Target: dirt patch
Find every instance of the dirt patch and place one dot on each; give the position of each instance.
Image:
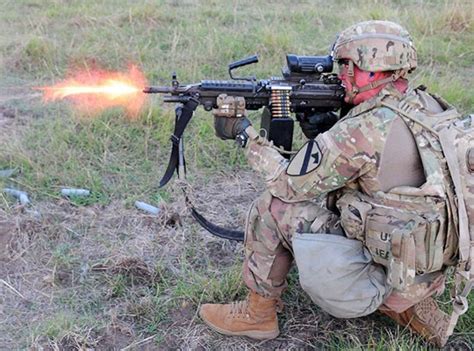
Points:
(222, 253)
(7, 232)
(135, 269)
(7, 119)
(112, 337)
(115, 337)
(6, 113)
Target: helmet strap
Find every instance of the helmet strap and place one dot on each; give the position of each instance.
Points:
(357, 90)
(354, 88)
(372, 85)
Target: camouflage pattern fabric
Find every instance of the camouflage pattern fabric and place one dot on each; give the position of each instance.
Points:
(350, 151)
(270, 226)
(376, 46)
(399, 301)
(351, 154)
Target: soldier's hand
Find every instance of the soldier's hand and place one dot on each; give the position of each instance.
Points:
(229, 116)
(317, 123)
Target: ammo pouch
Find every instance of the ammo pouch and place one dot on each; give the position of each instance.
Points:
(339, 275)
(405, 234)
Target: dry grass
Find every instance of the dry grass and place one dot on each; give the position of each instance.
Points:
(98, 274)
(108, 277)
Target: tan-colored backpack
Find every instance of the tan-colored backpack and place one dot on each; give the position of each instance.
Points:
(451, 135)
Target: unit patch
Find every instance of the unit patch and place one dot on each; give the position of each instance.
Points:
(306, 160)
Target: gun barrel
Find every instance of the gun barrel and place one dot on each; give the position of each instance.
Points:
(158, 90)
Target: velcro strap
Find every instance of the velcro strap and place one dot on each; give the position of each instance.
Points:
(397, 238)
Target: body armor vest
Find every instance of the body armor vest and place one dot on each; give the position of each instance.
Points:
(416, 231)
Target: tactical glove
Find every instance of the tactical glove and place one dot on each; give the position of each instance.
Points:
(317, 123)
(229, 117)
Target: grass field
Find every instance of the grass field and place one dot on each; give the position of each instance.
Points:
(96, 273)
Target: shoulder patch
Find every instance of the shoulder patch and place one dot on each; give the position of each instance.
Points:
(306, 160)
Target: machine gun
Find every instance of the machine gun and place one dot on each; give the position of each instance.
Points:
(306, 87)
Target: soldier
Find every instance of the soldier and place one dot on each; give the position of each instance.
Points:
(350, 205)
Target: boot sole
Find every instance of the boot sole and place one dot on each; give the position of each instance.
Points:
(257, 335)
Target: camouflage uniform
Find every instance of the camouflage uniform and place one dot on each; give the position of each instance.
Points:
(385, 172)
(351, 158)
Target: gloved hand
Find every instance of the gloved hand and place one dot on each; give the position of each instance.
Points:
(317, 123)
(229, 116)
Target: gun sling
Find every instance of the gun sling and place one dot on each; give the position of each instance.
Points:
(184, 113)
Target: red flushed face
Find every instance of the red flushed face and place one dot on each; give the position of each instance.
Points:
(361, 78)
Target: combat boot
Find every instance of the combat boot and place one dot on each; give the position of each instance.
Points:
(255, 317)
(426, 319)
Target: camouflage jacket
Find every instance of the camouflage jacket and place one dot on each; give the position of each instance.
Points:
(350, 155)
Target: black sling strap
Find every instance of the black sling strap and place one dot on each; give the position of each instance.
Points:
(216, 230)
(184, 113)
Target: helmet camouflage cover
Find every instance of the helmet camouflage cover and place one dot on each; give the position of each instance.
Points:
(376, 46)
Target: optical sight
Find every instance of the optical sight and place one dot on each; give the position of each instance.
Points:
(309, 64)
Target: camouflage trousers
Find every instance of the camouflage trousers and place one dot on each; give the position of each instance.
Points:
(269, 256)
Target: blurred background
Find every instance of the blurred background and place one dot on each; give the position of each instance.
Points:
(94, 272)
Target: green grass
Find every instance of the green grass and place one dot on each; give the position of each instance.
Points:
(121, 160)
(197, 40)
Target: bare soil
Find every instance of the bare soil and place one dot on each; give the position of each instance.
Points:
(7, 229)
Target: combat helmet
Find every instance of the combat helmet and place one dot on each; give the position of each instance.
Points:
(376, 46)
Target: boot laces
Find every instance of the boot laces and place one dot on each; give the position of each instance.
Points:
(240, 308)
